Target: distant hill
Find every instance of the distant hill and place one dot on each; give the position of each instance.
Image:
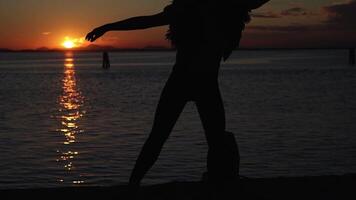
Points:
(43, 49)
(93, 47)
(156, 48)
(5, 50)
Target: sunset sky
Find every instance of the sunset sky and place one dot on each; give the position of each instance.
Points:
(30, 24)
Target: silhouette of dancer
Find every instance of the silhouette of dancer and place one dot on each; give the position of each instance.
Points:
(204, 32)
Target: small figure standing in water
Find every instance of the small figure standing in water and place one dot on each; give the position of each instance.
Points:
(352, 56)
(204, 32)
(106, 60)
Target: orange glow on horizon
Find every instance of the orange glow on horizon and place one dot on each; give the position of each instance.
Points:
(70, 43)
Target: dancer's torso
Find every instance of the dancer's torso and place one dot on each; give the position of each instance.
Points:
(199, 30)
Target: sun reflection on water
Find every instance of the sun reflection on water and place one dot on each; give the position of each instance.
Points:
(71, 110)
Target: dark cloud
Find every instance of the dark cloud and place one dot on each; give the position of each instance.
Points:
(290, 28)
(296, 11)
(337, 30)
(341, 16)
(266, 15)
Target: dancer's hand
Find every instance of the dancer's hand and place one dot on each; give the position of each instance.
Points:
(96, 33)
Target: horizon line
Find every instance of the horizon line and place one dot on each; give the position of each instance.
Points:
(159, 49)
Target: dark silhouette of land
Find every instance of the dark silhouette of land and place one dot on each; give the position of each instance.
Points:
(99, 48)
(299, 188)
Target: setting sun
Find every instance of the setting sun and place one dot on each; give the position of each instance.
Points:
(68, 44)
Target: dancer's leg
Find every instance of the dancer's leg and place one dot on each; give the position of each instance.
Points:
(168, 110)
(211, 110)
(223, 155)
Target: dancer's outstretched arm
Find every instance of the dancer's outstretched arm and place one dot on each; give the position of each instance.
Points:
(134, 23)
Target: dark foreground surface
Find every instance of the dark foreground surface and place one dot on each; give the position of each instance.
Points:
(322, 187)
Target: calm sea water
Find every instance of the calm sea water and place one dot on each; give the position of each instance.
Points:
(64, 121)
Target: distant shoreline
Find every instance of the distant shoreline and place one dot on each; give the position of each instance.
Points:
(158, 50)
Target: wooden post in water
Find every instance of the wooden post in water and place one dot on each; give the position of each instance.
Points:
(106, 60)
(352, 56)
